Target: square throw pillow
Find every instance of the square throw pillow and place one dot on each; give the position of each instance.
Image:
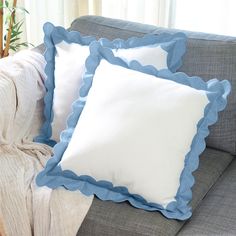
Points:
(135, 134)
(65, 56)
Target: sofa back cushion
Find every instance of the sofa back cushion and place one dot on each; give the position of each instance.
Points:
(216, 59)
(208, 56)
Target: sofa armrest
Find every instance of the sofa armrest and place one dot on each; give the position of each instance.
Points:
(40, 49)
(21, 93)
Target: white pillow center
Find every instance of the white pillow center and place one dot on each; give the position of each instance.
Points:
(135, 131)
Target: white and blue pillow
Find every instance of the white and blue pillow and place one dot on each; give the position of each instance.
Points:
(135, 134)
(65, 57)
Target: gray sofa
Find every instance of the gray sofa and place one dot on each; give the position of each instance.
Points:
(213, 203)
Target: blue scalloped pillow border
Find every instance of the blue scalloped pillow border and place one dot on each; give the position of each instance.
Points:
(174, 44)
(52, 36)
(53, 176)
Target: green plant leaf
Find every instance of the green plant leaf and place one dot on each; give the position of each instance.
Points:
(24, 44)
(16, 30)
(17, 46)
(13, 40)
(13, 48)
(15, 33)
(19, 25)
(21, 8)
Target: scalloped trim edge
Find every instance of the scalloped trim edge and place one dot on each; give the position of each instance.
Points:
(52, 176)
(55, 34)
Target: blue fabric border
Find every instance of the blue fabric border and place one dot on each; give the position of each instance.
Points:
(52, 36)
(53, 176)
(174, 44)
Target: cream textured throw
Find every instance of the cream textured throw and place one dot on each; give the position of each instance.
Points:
(26, 209)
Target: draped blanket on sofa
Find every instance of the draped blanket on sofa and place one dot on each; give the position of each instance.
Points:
(26, 209)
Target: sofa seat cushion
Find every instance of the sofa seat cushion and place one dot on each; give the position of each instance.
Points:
(216, 214)
(108, 218)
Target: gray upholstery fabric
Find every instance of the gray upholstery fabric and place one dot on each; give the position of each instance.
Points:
(40, 49)
(216, 214)
(108, 218)
(216, 59)
(207, 55)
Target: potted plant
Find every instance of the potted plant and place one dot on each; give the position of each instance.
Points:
(9, 38)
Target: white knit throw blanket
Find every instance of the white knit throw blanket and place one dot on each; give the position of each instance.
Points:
(25, 208)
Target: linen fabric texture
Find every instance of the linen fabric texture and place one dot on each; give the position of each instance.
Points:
(146, 126)
(65, 55)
